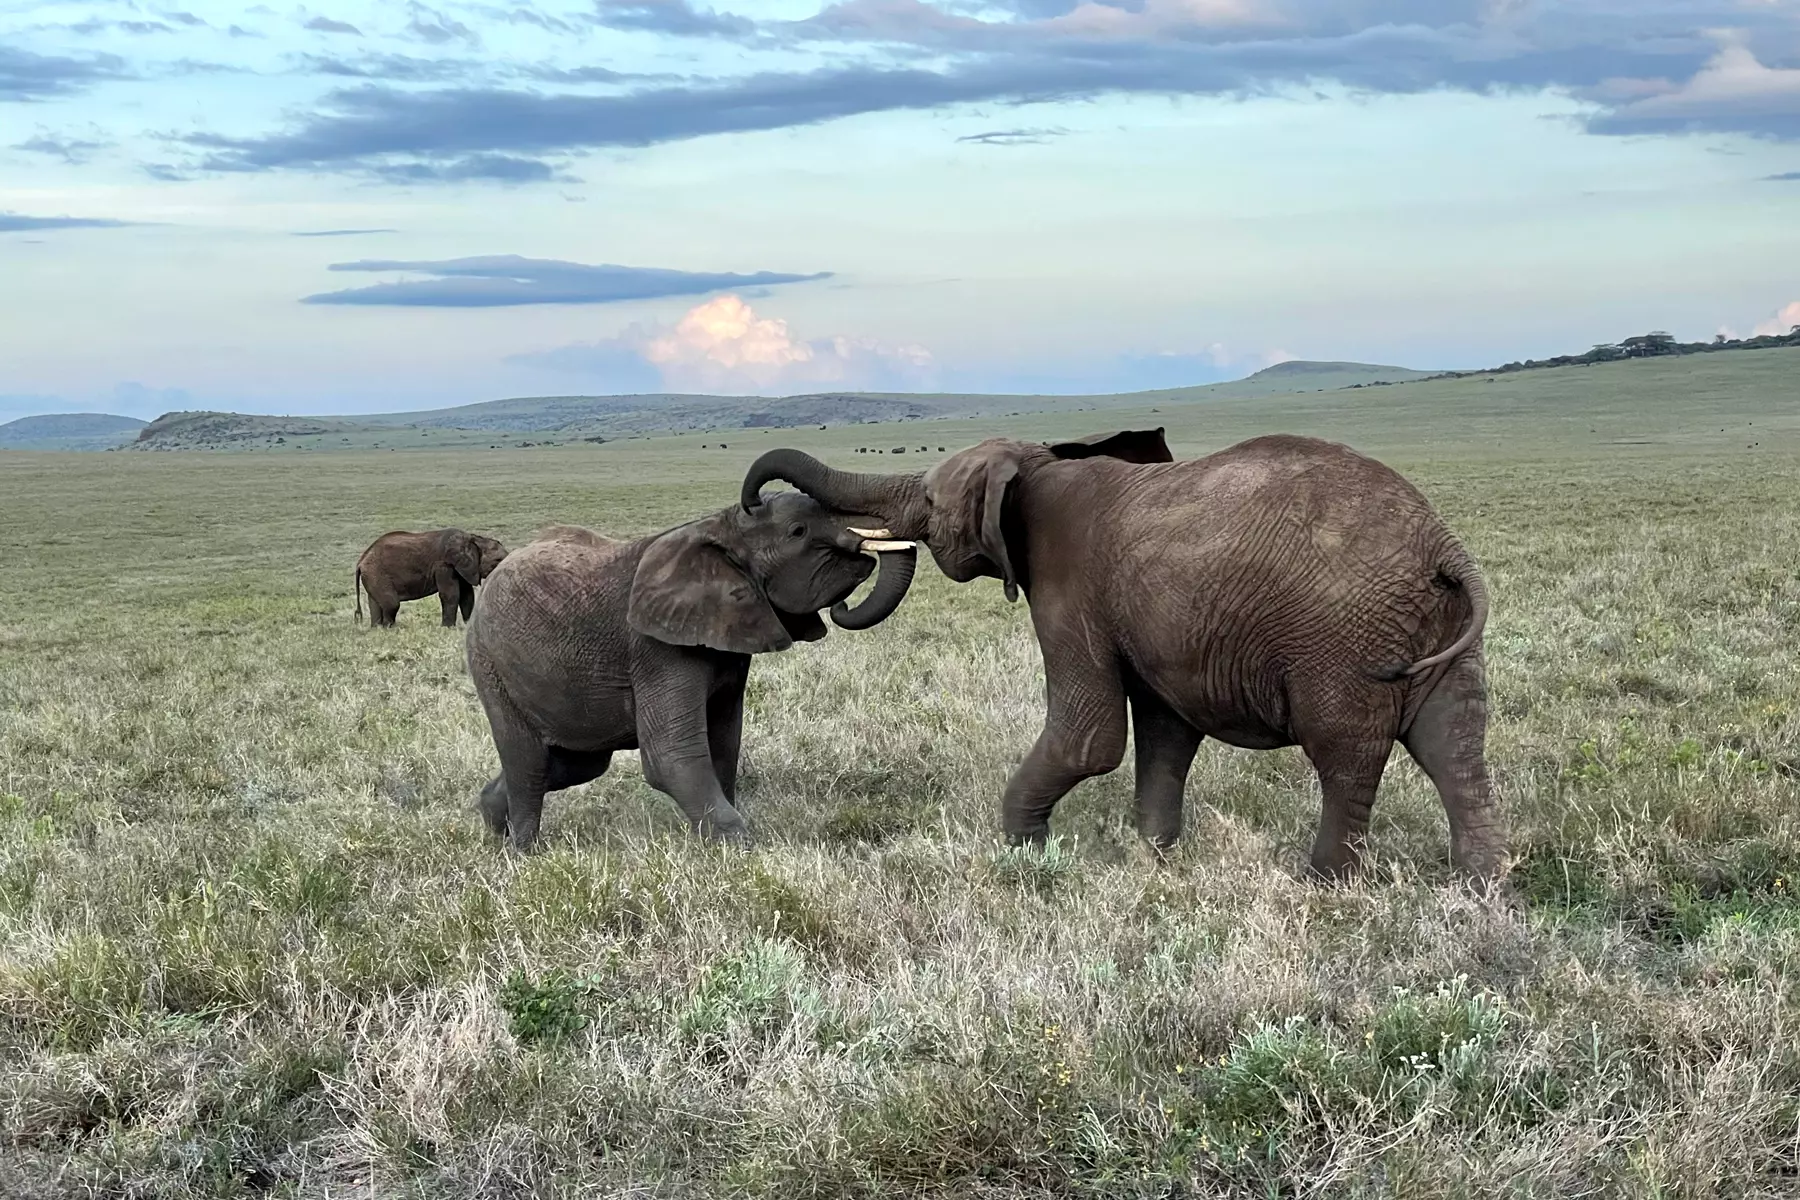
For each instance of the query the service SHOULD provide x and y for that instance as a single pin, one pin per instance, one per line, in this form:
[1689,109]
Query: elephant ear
[688,592]
[1131,445]
[968,503]
[464,557]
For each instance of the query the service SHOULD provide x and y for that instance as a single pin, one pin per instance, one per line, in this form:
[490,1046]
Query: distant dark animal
[1282,591]
[582,646]
[402,566]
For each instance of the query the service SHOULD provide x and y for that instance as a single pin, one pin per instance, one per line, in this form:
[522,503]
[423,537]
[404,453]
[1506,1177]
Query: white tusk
[879,547]
[871,533]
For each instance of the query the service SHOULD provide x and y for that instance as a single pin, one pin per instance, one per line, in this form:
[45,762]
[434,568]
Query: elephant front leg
[465,599]
[724,734]
[677,753]
[1166,745]
[1084,736]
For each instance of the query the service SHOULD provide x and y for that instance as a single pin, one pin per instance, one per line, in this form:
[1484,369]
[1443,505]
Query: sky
[341,206]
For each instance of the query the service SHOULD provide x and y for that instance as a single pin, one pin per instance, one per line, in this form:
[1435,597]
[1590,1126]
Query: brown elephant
[402,566]
[1284,591]
[582,646]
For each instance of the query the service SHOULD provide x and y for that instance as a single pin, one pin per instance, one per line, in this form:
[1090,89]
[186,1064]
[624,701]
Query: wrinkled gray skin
[402,566]
[582,646]
[1284,591]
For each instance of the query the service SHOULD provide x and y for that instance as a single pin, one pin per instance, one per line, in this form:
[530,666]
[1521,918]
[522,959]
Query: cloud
[399,68]
[28,76]
[73,151]
[429,25]
[1144,50]
[486,168]
[334,233]
[327,25]
[722,345]
[1781,324]
[11,222]
[1013,137]
[506,279]
[1733,93]
[1785,177]
[676,17]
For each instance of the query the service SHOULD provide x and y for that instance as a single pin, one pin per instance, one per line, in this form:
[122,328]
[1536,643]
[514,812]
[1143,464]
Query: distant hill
[69,431]
[533,420]
[222,430]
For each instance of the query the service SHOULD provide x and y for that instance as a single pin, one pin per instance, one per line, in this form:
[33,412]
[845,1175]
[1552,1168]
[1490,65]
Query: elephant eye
[797,531]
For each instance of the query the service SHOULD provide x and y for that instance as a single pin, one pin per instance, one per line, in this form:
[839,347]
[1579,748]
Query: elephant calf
[581,646]
[402,566]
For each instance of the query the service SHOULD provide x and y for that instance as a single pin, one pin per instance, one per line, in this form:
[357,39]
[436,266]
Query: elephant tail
[1456,570]
[356,588]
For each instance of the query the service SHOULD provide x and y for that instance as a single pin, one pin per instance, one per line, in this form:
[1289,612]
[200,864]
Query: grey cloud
[507,280]
[184,18]
[429,25]
[1013,137]
[333,233]
[73,151]
[28,76]
[1378,46]
[1784,177]
[359,129]
[11,222]
[473,168]
[327,25]
[676,17]
[400,68]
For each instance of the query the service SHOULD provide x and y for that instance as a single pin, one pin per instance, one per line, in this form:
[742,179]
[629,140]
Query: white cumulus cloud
[723,346]
[1781,323]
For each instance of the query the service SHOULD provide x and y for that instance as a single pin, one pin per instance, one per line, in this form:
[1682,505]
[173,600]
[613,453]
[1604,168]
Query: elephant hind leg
[494,802]
[1448,741]
[1350,773]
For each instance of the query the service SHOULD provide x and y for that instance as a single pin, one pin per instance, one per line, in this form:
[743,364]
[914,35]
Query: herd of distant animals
[1283,591]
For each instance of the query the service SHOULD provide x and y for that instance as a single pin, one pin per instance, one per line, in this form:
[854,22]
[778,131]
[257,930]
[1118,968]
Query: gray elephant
[402,566]
[1284,591]
[582,646]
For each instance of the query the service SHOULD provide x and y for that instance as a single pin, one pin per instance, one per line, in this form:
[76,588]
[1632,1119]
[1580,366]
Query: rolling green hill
[69,431]
[556,419]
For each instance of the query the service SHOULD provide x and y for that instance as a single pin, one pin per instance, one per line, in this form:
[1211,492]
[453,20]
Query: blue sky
[341,206]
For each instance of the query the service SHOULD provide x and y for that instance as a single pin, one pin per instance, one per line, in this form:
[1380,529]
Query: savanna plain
[254,940]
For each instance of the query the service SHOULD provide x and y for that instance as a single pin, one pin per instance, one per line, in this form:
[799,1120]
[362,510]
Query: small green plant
[548,1010]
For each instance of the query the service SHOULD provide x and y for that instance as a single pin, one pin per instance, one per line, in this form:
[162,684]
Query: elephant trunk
[899,500]
[898,561]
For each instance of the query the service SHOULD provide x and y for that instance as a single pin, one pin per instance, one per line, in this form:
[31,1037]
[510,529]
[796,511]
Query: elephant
[582,646]
[401,566]
[1282,591]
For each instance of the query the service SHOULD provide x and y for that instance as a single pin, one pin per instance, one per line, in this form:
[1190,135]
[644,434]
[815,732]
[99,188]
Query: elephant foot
[493,804]
[734,832]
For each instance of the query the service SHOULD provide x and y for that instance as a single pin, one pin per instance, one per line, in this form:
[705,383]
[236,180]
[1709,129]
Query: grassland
[253,942]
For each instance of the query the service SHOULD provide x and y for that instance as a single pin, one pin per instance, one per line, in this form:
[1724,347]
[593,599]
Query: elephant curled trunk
[898,562]
[899,500]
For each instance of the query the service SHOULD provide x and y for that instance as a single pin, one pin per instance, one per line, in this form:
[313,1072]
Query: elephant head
[753,580]
[472,555]
[490,551]
[959,507]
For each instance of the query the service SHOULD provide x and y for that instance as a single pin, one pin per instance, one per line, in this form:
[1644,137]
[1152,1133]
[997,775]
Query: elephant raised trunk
[899,500]
[898,562]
